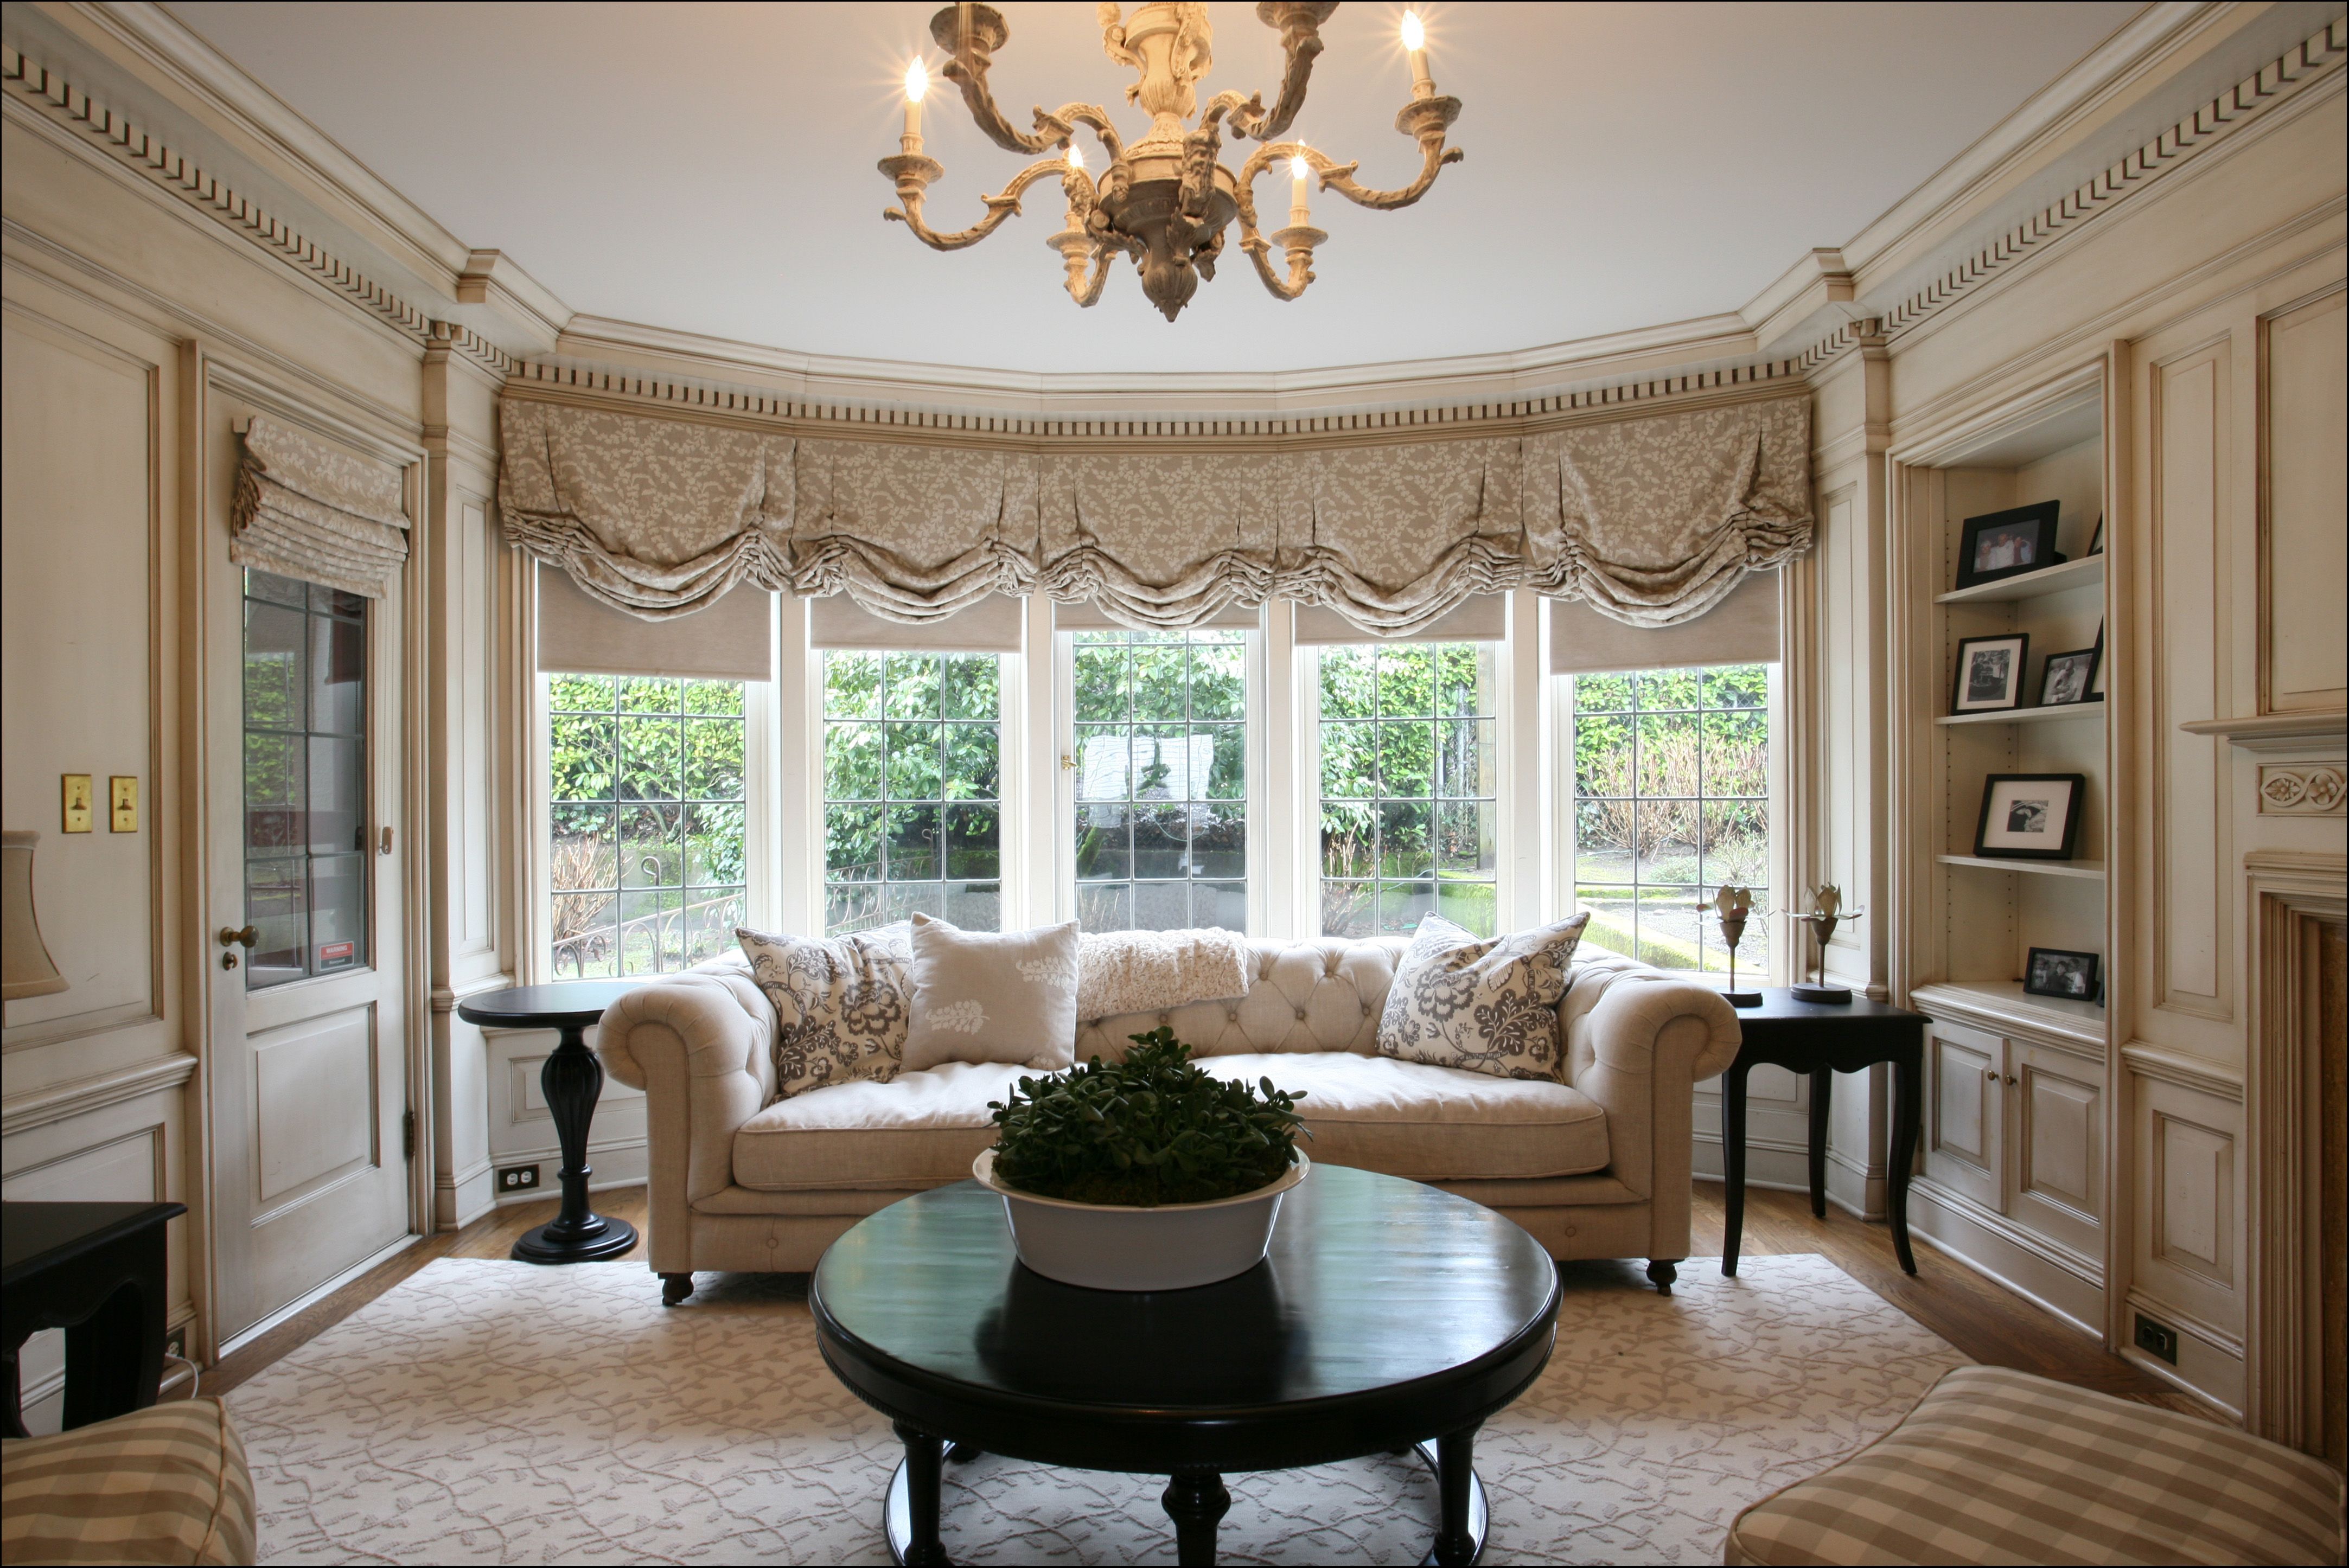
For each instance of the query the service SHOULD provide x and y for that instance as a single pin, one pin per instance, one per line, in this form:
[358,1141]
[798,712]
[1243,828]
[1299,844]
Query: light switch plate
[76,803]
[122,803]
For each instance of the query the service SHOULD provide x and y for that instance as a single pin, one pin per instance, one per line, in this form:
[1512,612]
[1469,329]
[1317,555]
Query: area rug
[498,1412]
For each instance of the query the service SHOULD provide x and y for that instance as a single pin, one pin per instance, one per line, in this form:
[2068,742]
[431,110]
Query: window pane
[1670,804]
[1161,756]
[653,882]
[935,759]
[1408,788]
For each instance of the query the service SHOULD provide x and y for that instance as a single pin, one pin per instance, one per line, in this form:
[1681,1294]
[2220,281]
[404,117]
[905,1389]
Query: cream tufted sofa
[1595,1167]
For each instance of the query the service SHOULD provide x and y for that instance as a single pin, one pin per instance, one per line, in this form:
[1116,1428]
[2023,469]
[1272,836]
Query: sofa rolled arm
[1640,1051]
[1634,1020]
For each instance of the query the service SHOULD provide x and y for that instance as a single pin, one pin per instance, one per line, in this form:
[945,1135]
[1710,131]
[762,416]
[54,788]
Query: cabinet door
[2057,1102]
[1965,1112]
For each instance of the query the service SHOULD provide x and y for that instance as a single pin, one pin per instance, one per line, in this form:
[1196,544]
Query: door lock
[230,936]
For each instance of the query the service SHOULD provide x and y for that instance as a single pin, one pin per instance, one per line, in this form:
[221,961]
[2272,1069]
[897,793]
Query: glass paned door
[306,796]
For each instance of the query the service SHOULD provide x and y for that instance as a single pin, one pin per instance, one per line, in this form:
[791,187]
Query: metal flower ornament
[1166,200]
[1733,906]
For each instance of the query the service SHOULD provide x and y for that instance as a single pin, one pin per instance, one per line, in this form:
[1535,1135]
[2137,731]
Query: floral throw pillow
[1489,1006]
[841,1004]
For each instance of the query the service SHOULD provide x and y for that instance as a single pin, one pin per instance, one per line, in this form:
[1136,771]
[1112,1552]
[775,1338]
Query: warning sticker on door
[337,955]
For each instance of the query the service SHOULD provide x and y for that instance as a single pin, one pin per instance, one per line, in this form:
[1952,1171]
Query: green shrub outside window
[912,794]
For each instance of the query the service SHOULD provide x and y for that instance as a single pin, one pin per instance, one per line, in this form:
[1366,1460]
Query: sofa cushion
[165,1484]
[992,996]
[841,1004]
[920,1131]
[1431,1123]
[1489,1006]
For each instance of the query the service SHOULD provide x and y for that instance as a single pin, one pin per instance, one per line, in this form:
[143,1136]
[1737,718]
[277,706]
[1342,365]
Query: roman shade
[307,510]
[728,641]
[1482,619]
[993,625]
[1742,630]
[1651,519]
[1085,616]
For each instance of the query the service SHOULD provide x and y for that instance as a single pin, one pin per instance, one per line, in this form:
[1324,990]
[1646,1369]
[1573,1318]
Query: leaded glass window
[1160,754]
[1408,787]
[913,789]
[645,861]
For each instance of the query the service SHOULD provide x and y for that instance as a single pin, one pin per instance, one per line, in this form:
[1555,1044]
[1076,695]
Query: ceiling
[709,168]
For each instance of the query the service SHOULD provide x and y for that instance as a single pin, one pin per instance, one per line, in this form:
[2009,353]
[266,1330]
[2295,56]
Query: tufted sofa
[1595,1167]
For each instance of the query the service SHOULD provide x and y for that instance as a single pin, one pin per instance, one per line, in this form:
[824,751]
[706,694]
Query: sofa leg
[1664,1271]
[675,1288]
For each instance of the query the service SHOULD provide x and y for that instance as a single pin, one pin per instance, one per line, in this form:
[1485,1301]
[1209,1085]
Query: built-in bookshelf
[2011,1170]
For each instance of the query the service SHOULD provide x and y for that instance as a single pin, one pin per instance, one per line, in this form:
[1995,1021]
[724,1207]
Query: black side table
[96,1270]
[1822,1039]
[573,1081]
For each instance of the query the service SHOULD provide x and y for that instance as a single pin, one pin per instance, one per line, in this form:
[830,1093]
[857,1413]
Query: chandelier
[1164,201]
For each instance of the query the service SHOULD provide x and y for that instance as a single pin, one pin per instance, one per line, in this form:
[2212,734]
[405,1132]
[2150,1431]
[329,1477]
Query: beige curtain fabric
[994,625]
[1651,521]
[1482,619]
[1083,615]
[309,510]
[1743,629]
[578,636]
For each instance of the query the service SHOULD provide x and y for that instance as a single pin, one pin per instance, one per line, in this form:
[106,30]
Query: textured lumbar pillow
[841,1005]
[1489,1004]
[988,996]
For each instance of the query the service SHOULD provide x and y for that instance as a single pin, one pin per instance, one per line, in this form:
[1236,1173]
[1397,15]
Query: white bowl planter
[1118,1246]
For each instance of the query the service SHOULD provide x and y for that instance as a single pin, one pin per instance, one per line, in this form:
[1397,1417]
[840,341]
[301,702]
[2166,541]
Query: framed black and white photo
[2006,544]
[2060,972]
[1990,672]
[2096,539]
[2096,676]
[2029,815]
[2067,678]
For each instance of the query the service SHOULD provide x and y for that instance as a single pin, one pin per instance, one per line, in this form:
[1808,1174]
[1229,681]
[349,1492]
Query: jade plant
[1153,1128]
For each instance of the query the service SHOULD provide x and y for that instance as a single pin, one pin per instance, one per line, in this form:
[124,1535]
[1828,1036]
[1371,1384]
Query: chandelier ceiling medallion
[1164,201]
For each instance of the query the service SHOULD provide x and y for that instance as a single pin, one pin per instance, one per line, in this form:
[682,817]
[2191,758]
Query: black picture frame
[2064,973]
[2078,670]
[2096,675]
[2096,539]
[2025,804]
[2019,540]
[1980,657]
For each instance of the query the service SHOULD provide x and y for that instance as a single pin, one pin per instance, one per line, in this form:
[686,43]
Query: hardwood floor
[1986,1321]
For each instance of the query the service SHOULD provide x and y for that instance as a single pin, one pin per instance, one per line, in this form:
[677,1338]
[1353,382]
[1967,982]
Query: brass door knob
[230,936]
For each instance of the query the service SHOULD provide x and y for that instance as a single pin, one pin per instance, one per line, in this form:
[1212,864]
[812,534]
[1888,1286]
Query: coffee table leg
[1822,1097]
[1455,1477]
[1195,1501]
[1908,1095]
[923,1452]
[1733,1161]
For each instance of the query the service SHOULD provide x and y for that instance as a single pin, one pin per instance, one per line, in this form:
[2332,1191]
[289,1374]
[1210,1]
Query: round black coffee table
[1389,1317]
[573,1081]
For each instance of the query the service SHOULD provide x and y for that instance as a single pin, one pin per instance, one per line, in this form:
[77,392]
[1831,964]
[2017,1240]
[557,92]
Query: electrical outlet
[2156,1339]
[517,1179]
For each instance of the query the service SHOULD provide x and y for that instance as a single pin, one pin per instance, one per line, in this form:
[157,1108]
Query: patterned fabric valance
[307,510]
[1651,519]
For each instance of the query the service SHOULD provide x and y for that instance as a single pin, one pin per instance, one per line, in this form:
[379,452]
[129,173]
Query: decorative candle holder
[1733,906]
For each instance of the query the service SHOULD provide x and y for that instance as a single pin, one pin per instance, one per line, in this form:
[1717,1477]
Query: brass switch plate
[78,813]
[122,801]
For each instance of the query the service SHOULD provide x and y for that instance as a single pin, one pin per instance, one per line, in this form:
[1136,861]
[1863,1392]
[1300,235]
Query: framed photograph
[2096,539]
[2067,678]
[2007,543]
[1990,672]
[2096,676]
[2060,972]
[2030,816]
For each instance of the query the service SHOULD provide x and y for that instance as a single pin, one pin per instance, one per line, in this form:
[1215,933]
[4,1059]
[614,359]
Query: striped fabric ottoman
[165,1484]
[1997,1466]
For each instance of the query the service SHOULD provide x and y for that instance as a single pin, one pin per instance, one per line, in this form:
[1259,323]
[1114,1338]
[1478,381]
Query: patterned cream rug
[498,1412]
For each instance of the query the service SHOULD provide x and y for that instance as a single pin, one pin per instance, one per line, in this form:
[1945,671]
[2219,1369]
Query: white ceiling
[709,168]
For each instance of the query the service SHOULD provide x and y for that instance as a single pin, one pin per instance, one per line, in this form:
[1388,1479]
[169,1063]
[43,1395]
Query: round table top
[579,1001]
[1383,1307]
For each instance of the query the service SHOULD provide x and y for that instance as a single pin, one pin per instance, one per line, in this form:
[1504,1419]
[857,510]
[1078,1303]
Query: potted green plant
[1145,1174]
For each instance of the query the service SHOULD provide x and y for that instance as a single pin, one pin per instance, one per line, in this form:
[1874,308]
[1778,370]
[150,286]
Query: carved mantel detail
[2303,789]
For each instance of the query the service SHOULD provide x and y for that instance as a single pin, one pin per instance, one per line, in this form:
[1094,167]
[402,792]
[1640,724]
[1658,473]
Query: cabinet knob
[1990,1073]
[2010,1078]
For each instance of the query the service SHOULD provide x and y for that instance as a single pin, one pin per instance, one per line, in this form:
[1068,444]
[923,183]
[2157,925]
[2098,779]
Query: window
[1159,752]
[305,799]
[1408,786]
[913,766]
[647,863]
[1672,785]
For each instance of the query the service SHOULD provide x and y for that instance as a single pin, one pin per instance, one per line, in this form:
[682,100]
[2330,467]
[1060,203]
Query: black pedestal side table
[573,1081]
[1387,1317]
[98,1272]
[1822,1039]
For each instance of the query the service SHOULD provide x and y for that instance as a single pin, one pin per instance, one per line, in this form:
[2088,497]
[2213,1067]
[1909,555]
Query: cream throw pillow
[1489,1005]
[988,996]
[841,1004]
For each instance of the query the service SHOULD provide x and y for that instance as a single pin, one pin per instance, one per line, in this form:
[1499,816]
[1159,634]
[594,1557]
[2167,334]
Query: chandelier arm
[1069,116]
[999,207]
[972,39]
[1427,120]
[1090,290]
[1301,268]
[1300,22]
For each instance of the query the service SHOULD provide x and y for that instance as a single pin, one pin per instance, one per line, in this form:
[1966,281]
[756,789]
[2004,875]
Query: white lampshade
[25,966]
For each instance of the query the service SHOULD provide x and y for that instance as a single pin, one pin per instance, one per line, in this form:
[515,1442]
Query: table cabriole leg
[1732,1161]
[1908,1114]
[1455,1456]
[1195,1501]
[1822,1098]
[924,1455]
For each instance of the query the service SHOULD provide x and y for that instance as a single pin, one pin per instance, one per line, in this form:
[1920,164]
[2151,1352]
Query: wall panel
[2304,557]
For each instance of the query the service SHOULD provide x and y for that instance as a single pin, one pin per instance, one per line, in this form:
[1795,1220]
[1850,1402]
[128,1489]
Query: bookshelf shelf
[2071,574]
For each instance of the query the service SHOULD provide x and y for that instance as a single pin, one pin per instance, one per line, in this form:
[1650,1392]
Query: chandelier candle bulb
[1414,43]
[1301,190]
[918,83]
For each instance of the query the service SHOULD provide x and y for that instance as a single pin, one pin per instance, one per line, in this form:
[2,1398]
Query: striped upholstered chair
[165,1484]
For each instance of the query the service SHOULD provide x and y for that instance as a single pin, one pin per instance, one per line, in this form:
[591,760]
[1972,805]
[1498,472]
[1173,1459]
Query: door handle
[230,936]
